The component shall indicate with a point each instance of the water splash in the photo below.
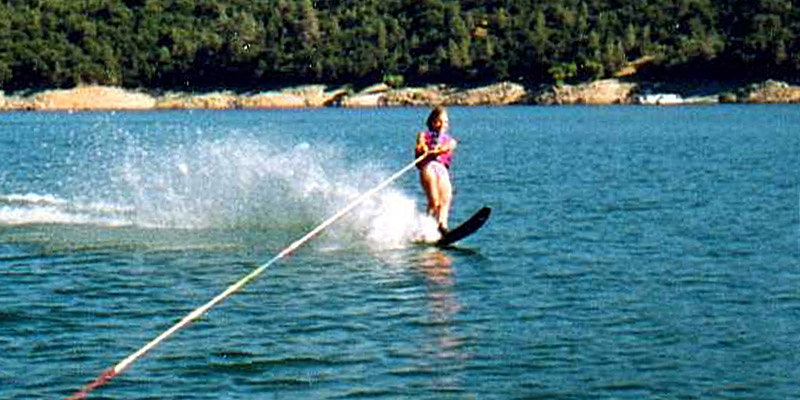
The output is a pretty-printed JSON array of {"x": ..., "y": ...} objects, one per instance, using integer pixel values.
[{"x": 235, "y": 182}]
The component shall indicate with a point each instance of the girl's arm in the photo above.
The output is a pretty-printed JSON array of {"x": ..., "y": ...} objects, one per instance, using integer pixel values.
[{"x": 421, "y": 147}]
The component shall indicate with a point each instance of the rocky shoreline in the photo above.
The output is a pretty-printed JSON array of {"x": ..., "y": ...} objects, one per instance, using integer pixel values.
[{"x": 610, "y": 91}]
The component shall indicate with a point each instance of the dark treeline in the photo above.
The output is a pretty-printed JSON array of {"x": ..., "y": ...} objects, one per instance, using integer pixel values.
[{"x": 247, "y": 44}]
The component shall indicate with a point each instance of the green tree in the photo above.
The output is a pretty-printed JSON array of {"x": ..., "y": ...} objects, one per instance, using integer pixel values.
[{"x": 238, "y": 43}]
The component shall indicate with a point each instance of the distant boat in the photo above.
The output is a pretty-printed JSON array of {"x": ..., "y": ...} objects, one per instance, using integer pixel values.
[{"x": 660, "y": 99}]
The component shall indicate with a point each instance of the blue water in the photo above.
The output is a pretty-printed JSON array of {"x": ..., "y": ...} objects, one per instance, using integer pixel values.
[{"x": 632, "y": 253}]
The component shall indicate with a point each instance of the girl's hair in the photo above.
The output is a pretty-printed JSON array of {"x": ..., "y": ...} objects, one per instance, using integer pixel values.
[{"x": 434, "y": 115}]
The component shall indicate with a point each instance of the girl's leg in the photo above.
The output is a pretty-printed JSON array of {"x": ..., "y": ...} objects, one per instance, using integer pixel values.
[
  {"x": 445, "y": 194},
  {"x": 430, "y": 185}
]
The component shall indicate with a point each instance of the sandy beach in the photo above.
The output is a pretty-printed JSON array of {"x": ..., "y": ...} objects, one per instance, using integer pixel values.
[{"x": 609, "y": 91}]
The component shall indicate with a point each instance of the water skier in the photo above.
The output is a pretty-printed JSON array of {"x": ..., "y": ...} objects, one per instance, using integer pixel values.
[{"x": 434, "y": 173}]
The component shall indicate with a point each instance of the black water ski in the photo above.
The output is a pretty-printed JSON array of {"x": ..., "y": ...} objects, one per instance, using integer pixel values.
[{"x": 465, "y": 229}]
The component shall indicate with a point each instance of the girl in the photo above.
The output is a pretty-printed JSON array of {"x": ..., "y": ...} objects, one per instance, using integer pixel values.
[{"x": 438, "y": 145}]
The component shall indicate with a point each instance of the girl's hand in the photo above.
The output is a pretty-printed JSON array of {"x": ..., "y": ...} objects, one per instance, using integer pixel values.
[{"x": 438, "y": 150}]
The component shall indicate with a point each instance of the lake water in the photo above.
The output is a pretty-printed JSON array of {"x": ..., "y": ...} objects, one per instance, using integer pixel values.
[{"x": 632, "y": 253}]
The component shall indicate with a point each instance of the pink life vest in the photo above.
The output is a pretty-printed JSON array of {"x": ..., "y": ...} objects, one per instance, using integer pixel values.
[{"x": 432, "y": 139}]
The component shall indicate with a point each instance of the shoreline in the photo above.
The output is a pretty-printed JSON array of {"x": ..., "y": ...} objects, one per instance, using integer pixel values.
[{"x": 602, "y": 92}]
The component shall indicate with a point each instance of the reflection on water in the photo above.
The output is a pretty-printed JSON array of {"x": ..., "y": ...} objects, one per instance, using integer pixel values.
[
  {"x": 437, "y": 267},
  {"x": 447, "y": 344}
]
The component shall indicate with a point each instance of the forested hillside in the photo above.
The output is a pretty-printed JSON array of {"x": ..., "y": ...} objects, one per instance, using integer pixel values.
[{"x": 247, "y": 44}]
